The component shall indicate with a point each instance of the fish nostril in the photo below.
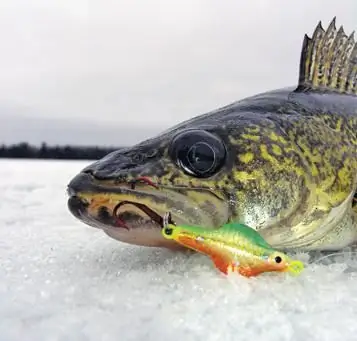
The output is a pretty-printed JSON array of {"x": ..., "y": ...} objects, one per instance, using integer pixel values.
[
  {"x": 88, "y": 171},
  {"x": 98, "y": 174}
]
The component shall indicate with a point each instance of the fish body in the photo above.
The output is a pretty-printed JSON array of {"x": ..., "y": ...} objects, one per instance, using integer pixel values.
[
  {"x": 234, "y": 248},
  {"x": 283, "y": 162}
]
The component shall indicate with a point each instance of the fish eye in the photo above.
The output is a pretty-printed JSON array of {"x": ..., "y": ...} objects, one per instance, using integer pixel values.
[
  {"x": 278, "y": 259},
  {"x": 198, "y": 152}
]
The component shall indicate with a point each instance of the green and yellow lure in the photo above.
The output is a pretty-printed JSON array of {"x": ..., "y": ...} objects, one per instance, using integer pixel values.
[{"x": 233, "y": 248}]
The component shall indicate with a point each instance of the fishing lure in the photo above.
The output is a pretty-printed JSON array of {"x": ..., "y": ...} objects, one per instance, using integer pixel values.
[{"x": 233, "y": 248}]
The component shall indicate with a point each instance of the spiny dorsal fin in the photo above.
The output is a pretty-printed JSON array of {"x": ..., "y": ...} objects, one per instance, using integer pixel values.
[{"x": 329, "y": 61}]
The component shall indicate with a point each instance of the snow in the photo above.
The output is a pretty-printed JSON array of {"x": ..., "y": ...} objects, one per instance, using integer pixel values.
[{"x": 63, "y": 280}]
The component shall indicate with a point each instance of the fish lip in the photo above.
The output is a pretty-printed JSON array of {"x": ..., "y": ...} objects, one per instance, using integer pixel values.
[{"x": 77, "y": 207}]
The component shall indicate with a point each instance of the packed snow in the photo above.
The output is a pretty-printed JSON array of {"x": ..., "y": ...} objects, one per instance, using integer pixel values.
[{"x": 62, "y": 280}]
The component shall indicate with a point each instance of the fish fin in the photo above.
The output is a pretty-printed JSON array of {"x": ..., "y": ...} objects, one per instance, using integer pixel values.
[
  {"x": 246, "y": 272},
  {"x": 328, "y": 61},
  {"x": 222, "y": 264},
  {"x": 227, "y": 267}
]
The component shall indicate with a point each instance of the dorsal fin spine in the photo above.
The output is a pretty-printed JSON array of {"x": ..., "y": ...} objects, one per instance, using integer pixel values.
[
  {"x": 305, "y": 67},
  {"x": 328, "y": 47},
  {"x": 347, "y": 53},
  {"x": 352, "y": 76},
  {"x": 316, "y": 51},
  {"x": 343, "y": 49},
  {"x": 328, "y": 61}
]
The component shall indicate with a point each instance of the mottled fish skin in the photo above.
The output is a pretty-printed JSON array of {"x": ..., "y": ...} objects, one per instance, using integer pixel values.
[{"x": 290, "y": 169}]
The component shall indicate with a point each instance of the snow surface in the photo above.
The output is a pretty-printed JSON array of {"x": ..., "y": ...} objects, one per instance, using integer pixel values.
[{"x": 62, "y": 280}]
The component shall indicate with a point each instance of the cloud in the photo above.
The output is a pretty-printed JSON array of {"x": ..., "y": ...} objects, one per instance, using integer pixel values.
[{"x": 151, "y": 63}]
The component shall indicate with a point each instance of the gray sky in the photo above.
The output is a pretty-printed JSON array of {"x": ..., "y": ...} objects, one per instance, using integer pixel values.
[{"x": 144, "y": 65}]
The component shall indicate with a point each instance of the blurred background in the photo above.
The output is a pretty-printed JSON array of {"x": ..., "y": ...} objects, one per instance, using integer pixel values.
[{"x": 80, "y": 78}]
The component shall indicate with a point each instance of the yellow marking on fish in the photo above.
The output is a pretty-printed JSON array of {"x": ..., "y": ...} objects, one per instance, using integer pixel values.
[
  {"x": 253, "y": 129},
  {"x": 277, "y": 138},
  {"x": 267, "y": 156},
  {"x": 251, "y": 137},
  {"x": 308, "y": 154},
  {"x": 247, "y": 157},
  {"x": 245, "y": 176},
  {"x": 276, "y": 150},
  {"x": 286, "y": 164},
  {"x": 338, "y": 125}
]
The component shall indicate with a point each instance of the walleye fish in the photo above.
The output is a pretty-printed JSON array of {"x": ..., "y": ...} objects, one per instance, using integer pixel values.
[{"x": 283, "y": 162}]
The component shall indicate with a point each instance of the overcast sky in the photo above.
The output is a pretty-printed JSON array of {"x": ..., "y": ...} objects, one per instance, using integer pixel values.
[{"x": 137, "y": 64}]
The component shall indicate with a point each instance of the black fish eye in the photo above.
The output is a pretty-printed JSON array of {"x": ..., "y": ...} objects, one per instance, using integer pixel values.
[
  {"x": 278, "y": 259},
  {"x": 198, "y": 153}
]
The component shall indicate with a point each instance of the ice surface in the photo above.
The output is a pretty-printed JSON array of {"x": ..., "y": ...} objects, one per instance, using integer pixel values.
[{"x": 62, "y": 280}]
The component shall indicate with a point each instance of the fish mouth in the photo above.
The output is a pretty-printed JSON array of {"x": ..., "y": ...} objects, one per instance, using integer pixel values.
[
  {"x": 129, "y": 222},
  {"x": 78, "y": 207},
  {"x": 135, "y": 213}
]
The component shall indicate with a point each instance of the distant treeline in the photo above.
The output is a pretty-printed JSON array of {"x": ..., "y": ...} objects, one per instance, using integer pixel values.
[{"x": 27, "y": 151}]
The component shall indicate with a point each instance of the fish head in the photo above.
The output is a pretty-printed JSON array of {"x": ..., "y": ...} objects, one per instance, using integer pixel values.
[{"x": 128, "y": 192}]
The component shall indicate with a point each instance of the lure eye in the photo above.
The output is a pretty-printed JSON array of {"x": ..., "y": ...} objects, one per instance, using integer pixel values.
[
  {"x": 198, "y": 152},
  {"x": 278, "y": 259}
]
